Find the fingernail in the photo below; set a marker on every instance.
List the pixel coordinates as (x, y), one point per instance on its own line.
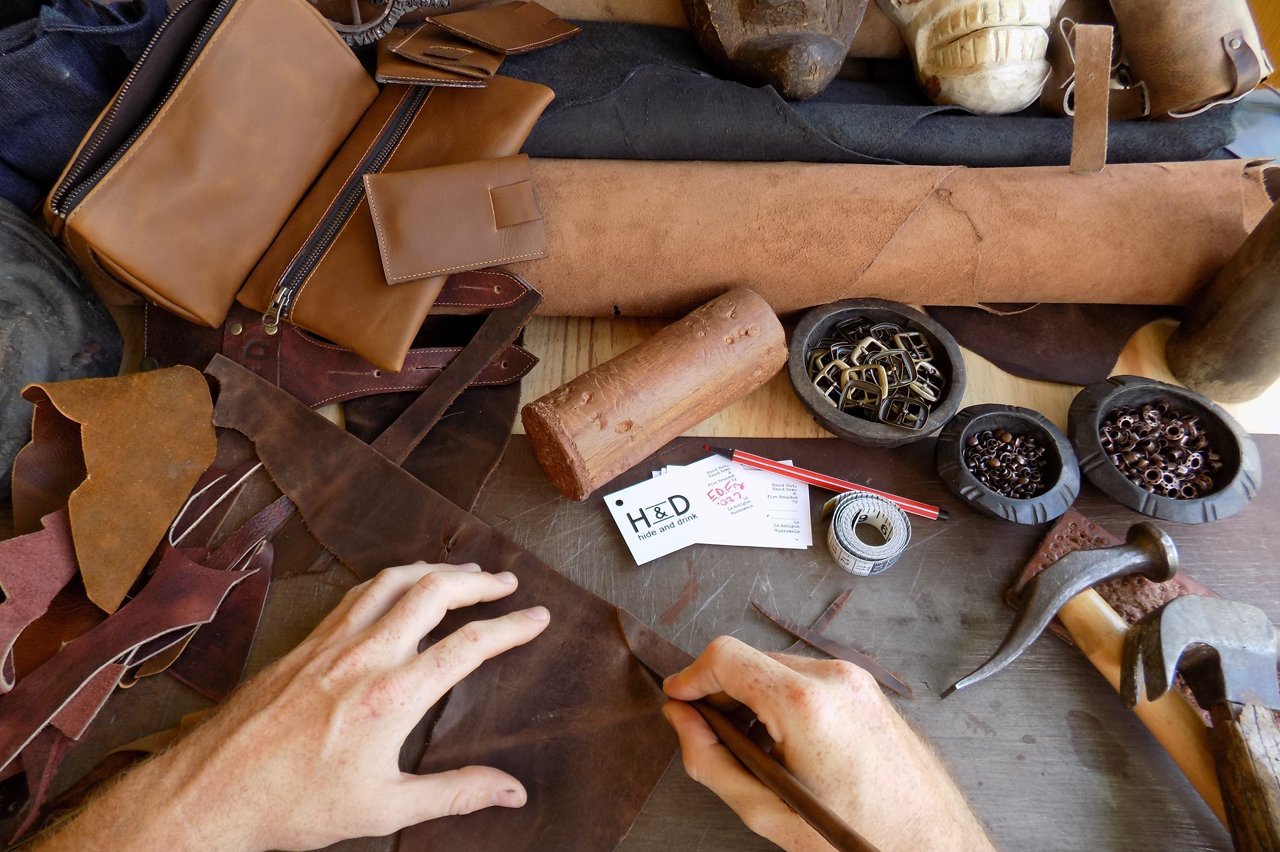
(538, 613)
(506, 577)
(469, 566)
(513, 798)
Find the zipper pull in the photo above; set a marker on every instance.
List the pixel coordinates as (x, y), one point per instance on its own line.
(271, 319)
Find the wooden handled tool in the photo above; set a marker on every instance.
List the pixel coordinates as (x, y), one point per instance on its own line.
(1226, 652)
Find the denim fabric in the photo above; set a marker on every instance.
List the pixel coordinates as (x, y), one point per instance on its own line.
(57, 71)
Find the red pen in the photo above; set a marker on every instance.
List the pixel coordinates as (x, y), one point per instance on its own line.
(830, 483)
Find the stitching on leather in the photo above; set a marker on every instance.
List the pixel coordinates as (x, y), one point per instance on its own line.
(418, 81)
(381, 389)
(150, 132)
(522, 287)
(415, 275)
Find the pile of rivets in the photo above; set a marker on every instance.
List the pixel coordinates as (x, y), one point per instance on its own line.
(1160, 450)
(1008, 464)
(877, 371)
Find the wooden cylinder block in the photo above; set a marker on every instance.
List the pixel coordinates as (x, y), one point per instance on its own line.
(605, 421)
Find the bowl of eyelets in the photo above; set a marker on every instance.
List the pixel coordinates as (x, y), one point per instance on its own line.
(1162, 450)
(1008, 462)
(875, 372)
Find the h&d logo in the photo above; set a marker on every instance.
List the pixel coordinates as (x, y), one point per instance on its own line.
(660, 517)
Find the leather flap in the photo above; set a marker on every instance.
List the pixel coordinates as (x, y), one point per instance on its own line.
(394, 68)
(432, 46)
(509, 28)
(453, 218)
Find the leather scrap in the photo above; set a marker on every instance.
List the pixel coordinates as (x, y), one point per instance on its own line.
(179, 595)
(145, 439)
(575, 708)
(1092, 44)
(33, 569)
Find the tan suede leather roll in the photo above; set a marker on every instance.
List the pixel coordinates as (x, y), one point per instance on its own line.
(659, 238)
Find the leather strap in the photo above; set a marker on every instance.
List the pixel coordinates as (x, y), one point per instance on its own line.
(1244, 62)
(1093, 77)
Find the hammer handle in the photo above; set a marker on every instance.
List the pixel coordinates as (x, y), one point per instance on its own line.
(1246, 746)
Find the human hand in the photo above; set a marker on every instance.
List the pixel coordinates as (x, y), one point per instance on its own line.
(306, 754)
(837, 733)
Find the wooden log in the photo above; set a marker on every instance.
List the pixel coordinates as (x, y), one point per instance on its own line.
(598, 425)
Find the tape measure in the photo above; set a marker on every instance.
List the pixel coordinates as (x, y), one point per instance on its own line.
(876, 519)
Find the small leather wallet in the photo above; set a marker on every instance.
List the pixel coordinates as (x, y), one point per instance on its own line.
(394, 68)
(429, 45)
(448, 219)
(509, 28)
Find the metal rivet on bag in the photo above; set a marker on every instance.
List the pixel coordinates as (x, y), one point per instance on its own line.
(1235, 43)
(235, 328)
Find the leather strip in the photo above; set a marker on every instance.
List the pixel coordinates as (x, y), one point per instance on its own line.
(146, 439)
(41, 760)
(574, 707)
(180, 594)
(514, 204)
(33, 569)
(1093, 77)
(828, 615)
(1244, 62)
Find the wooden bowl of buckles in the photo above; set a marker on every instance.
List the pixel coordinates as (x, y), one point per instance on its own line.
(875, 372)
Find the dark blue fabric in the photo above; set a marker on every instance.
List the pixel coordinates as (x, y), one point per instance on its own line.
(57, 70)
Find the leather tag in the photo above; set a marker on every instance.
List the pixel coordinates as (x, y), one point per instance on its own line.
(509, 28)
(437, 48)
(394, 68)
(1093, 77)
(453, 218)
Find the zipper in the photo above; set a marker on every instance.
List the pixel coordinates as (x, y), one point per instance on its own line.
(72, 190)
(306, 260)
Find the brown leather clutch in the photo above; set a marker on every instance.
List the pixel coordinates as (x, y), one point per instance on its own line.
(324, 273)
(233, 109)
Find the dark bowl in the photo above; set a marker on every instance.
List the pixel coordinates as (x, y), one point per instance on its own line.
(1235, 483)
(818, 323)
(1062, 472)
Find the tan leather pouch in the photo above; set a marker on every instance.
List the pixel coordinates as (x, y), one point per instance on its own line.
(192, 168)
(509, 28)
(1192, 54)
(324, 272)
(433, 46)
(394, 68)
(455, 218)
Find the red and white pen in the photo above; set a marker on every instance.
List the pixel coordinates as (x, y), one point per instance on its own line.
(830, 483)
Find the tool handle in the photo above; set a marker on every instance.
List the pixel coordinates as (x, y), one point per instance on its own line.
(788, 787)
(1246, 748)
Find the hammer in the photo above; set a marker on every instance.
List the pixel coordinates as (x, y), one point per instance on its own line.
(1226, 652)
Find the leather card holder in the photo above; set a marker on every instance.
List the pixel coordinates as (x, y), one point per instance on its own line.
(509, 28)
(430, 45)
(448, 219)
(394, 68)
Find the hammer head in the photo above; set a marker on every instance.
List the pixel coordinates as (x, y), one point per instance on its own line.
(1225, 650)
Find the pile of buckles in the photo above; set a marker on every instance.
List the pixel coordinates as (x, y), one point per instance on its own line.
(878, 371)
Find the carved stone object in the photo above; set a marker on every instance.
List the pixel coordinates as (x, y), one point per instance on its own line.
(987, 56)
(796, 46)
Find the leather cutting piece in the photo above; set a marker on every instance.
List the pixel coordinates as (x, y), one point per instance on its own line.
(180, 594)
(33, 569)
(509, 28)
(394, 68)
(436, 47)
(575, 708)
(146, 438)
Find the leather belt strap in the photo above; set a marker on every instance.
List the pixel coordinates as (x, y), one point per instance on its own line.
(1093, 76)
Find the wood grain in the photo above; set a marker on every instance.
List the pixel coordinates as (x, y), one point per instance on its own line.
(1248, 752)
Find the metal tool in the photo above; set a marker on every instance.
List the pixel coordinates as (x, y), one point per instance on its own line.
(1148, 550)
(664, 659)
(1226, 653)
(814, 637)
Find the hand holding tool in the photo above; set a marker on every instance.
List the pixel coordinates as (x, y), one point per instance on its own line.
(1226, 652)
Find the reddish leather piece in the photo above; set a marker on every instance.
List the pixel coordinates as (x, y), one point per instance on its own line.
(41, 760)
(33, 569)
(70, 615)
(574, 708)
(180, 594)
(47, 469)
(318, 372)
(75, 717)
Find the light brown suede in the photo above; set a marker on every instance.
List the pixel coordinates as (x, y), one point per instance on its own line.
(660, 238)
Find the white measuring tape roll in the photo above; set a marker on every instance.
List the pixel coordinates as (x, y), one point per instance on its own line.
(885, 520)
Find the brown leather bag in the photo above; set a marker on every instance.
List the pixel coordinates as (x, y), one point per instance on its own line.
(232, 110)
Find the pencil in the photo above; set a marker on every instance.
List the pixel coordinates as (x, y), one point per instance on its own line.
(830, 483)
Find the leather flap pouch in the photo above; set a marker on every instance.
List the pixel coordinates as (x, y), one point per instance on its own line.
(509, 28)
(453, 218)
(394, 68)
(430, 45)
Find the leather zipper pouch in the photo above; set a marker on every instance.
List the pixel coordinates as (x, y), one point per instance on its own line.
(230, 113)
(394, 68)
(455, 218)
(430, 45)
(509, 28)
(324, 272)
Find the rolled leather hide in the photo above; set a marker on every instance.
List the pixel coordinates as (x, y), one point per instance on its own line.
(659, 238)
